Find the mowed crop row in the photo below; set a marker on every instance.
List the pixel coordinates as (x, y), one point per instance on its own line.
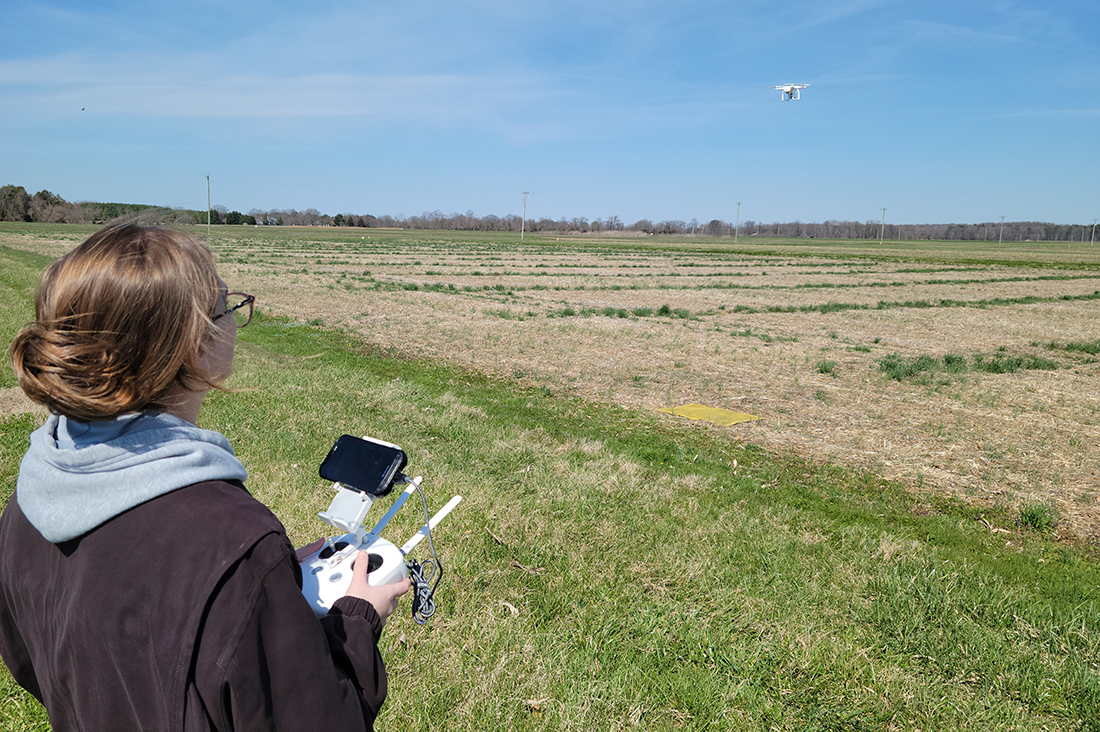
(926, 364)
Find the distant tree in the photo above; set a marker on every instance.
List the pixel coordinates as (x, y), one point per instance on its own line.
(51, 208)
(215, 216)
(48, 199)
(42, 205)
(14, 204)
(234, 218)
(111, 211)
(338, 220)
(289, 218)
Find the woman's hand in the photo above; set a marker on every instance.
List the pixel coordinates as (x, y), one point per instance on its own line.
(382, 597)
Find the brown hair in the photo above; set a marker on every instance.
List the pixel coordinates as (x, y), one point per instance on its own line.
(118, 323)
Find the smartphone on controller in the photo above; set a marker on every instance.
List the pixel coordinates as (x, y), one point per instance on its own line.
(364, 464)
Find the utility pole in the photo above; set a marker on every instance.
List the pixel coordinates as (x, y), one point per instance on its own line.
(883, 229)
(208, 207)
(1001, 236)
(523, 224)
(737, 227)
(1092, 238)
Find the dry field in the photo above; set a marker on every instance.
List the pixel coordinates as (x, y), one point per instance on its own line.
(797, 337)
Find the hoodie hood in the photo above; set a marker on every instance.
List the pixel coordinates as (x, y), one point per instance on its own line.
(77, 475)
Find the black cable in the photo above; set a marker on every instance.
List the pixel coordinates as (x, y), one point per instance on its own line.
(423, 602)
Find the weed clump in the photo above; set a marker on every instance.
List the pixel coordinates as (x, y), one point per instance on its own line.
(1038, 517)
(1089, 348)
(897, 367)
(1011, 364)
(668, 311)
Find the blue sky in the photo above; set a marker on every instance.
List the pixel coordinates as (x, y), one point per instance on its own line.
(941, 112)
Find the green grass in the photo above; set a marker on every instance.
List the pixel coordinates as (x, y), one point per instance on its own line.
(898, 367)
(616, 569)
(1089, 348)
(1039, 516)
(19, 277)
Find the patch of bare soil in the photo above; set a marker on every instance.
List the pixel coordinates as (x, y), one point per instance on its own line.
(14, 401)
(798, 341)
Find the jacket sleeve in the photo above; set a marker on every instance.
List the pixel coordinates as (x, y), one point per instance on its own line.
(14, 651)
(264, 661)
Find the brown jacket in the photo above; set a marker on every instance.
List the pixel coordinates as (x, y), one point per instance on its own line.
(183, 613)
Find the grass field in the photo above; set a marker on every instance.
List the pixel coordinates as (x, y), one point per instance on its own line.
(807, 334)
(615, 568)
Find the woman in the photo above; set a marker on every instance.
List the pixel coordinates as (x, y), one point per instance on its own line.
(141, 586)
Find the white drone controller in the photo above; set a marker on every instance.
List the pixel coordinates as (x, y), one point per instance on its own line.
(327, 563)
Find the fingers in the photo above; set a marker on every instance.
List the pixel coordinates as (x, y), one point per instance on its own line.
(361, 566)
(384, 598)
(359, 570)
(401, 587)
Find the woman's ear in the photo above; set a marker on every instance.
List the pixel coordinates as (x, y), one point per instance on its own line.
(215, 354)
(202, 358)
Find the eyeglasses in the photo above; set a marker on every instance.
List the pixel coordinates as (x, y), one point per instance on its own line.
(239, 305)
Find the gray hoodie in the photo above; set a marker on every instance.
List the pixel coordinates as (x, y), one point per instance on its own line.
(77, 475)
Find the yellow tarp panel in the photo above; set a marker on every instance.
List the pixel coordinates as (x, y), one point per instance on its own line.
(710, 414)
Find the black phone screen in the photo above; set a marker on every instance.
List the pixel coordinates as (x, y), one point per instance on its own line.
(366, 465)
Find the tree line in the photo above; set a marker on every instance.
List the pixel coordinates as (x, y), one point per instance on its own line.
(18, 205)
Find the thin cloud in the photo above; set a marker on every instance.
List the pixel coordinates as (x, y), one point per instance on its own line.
(924, 32)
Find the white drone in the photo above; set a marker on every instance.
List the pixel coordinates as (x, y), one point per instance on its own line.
(790, 91)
